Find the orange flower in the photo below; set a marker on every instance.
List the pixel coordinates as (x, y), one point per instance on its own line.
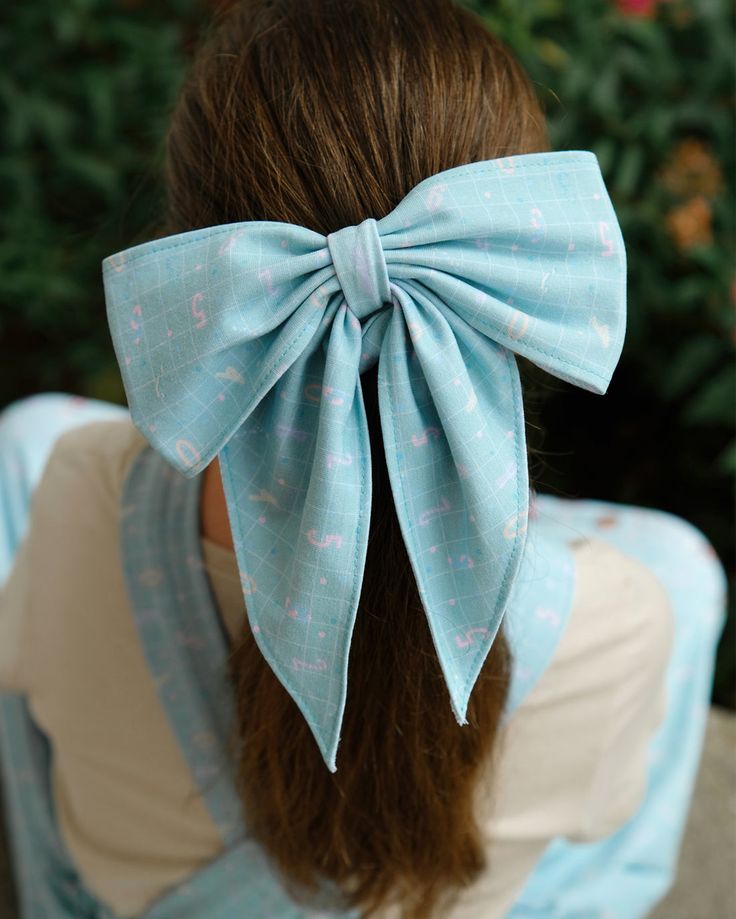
(690, 224)
(692, 170)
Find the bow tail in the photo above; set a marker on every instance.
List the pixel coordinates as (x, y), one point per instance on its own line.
(461, 491)
(297, 482)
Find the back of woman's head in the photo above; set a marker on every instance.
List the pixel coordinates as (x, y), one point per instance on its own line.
(323, 113)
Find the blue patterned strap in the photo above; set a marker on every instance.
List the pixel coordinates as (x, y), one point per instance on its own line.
(625, 874)
(185, 646)
(241, 883)
(182, 637)
(541, 603)
(46, 881)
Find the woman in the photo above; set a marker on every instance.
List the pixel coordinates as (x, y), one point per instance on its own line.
(321, 116)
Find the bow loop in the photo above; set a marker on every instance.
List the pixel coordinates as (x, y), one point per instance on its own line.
(248, 340)
(528, 250)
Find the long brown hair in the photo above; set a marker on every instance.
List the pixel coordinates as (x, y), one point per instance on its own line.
(323, 113)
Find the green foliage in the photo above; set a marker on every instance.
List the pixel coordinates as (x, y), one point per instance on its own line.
(85, 93)
(631, 89)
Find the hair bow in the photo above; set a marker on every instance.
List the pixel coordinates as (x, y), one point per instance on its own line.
(246, 341)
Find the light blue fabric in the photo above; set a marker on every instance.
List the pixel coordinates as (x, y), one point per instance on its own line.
(175, 613)
(246, 341)
(621, 877)
(626, 874)
(47, 884)
(239, 882)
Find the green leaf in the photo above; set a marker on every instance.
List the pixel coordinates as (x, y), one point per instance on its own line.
(694, 359)
(727, 460)
(628, 171)
(715, 402)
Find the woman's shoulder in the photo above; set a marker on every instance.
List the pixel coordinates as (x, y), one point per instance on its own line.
(593, 709)
(100, 449)
(77, 496)
(616, 653)
(618, 637)
(62, 462)
(620, 624)
(674, 551)
(60, 443)
(620, 608)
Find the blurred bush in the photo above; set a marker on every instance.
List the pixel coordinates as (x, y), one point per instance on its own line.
(85, 91)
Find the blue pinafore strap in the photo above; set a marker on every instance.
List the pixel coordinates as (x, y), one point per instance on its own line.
(624, 875)
(186, 649)
(47, 885)
(181, 635)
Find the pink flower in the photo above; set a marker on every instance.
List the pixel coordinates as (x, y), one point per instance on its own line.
(645, 9)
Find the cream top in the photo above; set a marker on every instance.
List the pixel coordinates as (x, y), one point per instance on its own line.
(570, 762)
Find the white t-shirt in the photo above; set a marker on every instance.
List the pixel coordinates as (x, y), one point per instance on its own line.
(571, 762)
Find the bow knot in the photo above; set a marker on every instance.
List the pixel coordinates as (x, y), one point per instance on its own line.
(360, 266)
(234, 341)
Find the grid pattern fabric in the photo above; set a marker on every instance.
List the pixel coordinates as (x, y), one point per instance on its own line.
(247, 341)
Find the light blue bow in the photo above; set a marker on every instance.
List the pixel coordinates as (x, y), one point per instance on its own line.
(247, 341)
